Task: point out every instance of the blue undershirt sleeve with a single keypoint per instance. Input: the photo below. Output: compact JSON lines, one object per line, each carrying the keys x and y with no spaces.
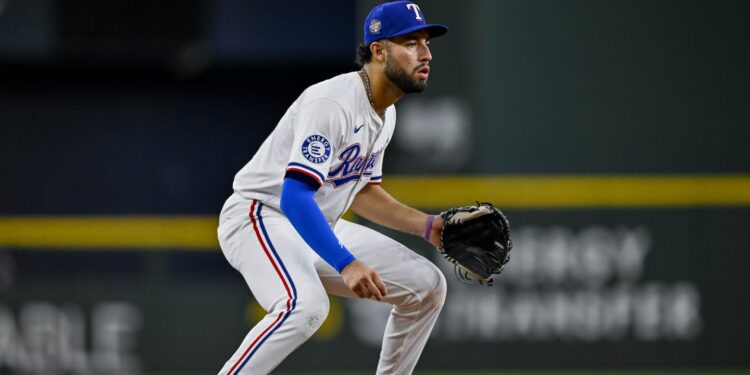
{"x":300,"y":208}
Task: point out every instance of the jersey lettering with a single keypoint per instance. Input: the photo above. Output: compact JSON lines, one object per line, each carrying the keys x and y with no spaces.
{"x":415,"y":8}
{"x":353,"y":165}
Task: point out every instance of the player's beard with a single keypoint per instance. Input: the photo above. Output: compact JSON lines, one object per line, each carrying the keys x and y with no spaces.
{"x":401,"y":79}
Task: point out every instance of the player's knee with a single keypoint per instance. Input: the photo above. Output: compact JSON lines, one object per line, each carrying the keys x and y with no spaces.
{"x":440,"y":290}
{"x":431,"y":287}
{"x":311,"y":311}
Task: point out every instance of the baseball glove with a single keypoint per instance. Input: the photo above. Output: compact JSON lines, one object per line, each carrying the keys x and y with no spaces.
{"x":476,"y":239}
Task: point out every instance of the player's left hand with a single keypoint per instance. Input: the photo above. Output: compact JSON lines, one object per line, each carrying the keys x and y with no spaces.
{"x":476,"y":239}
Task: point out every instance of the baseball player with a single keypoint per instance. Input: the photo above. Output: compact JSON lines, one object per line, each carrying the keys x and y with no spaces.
{"x":282,"y":227}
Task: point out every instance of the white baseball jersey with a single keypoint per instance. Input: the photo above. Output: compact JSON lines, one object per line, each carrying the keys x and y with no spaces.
{"x":332,"y":134}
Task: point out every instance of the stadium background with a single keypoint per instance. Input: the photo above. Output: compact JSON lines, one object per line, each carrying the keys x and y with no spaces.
{"x":614,"y":132}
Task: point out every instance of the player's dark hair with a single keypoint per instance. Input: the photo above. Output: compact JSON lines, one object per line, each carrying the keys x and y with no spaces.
{"x":364,"y":55}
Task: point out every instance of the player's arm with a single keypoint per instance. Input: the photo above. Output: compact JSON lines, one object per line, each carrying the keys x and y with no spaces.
{"x":375,"y":204}
{"x":300,"y":208}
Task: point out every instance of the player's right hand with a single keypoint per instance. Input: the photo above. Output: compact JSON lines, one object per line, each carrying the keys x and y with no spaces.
{"x":363,"y":280}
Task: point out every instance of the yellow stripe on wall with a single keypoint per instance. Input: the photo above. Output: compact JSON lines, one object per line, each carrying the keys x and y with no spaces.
{"x":429,"y":193}
{"x":534,"y":192}
{"x":96,"y":232}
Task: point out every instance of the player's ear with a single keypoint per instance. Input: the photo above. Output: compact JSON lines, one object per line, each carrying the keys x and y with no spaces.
{"x":378,"y":51}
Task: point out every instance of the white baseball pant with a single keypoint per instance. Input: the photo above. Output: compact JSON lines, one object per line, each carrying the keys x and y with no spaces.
{"x":291,"y":282}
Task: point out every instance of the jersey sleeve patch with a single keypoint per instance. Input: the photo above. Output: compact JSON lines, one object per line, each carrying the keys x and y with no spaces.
{"x":316,"y":149}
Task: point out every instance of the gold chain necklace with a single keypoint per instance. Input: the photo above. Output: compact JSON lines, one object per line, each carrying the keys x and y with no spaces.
{"x":366,"y":80}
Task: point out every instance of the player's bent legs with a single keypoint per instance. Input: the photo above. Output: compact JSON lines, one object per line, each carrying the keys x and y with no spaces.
{"x":281,"y":274}
{"x":415,"y":287}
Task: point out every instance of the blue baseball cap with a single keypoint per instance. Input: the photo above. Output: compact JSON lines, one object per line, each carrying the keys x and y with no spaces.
{"x":398,"y":18}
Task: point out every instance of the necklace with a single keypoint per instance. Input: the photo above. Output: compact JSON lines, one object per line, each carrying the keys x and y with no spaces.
{"x":366,"y":80}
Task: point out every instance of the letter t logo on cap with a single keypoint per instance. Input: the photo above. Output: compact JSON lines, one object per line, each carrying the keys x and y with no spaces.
{"x":415,"y":8}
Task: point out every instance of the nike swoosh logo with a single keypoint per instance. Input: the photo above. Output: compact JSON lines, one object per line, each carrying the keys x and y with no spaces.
{"x":357,"y":128}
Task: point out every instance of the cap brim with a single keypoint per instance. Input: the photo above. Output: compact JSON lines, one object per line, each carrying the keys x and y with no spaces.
{"x":434,"y":30}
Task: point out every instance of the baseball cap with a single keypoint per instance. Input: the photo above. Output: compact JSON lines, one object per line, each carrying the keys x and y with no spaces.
{"x":398,"y":18}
